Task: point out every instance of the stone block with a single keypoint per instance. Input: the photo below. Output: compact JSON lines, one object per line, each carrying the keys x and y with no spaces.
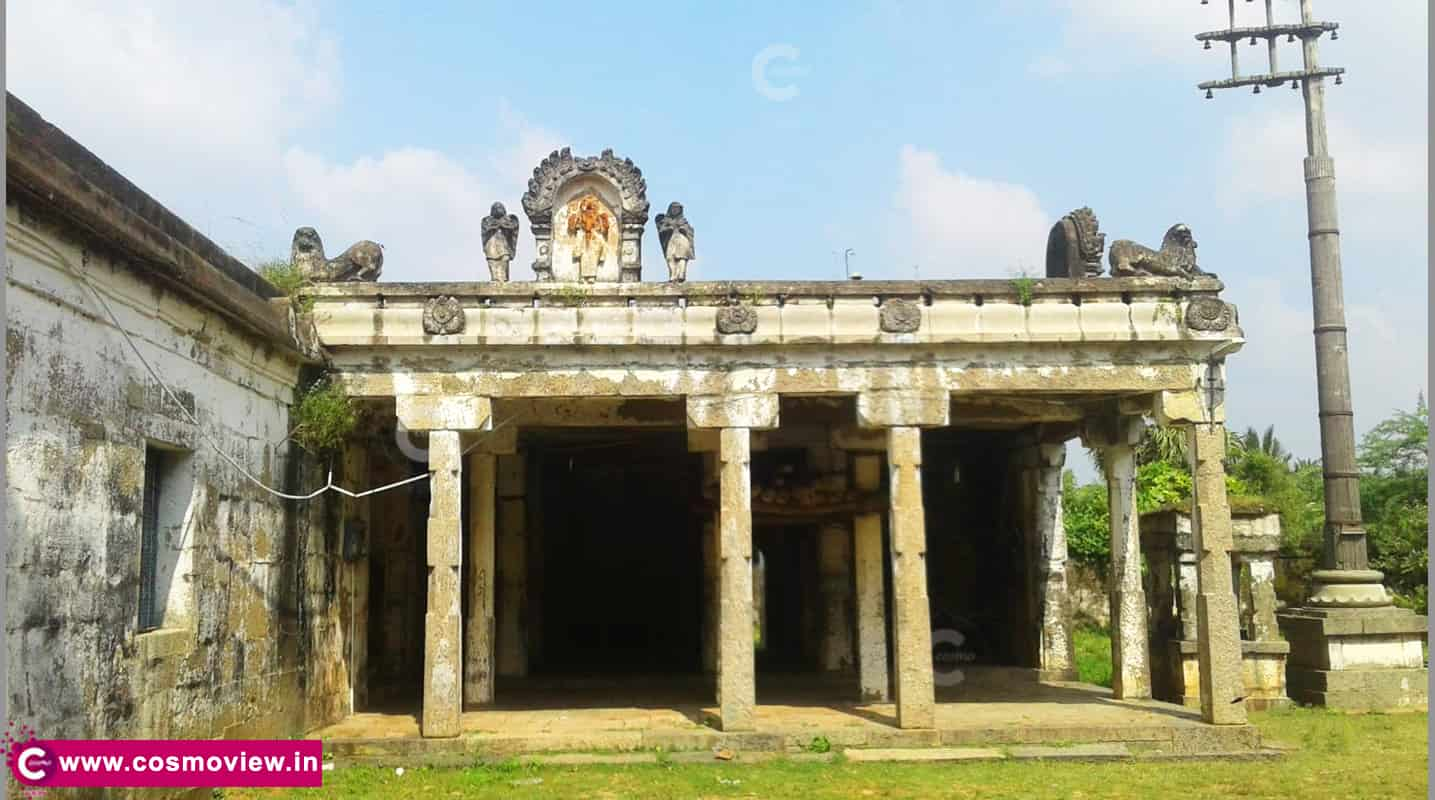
{"x":1003,"y":322}
{"x":896,"y":408}
{"x":1105,"y":321}
{"x":932,"y":754}
{"x":444,"y":535}
{"x":733,"y":411}
{"x":1107,"y":751}
{"x":433,"y":412}
{"x":1052,"y":321}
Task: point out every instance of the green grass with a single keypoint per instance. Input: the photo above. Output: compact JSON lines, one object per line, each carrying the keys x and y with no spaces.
{"x":1093,"y":655}
{"x":1338,"y":756}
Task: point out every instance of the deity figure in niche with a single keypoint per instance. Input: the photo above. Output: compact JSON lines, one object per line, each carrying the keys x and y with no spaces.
{"x":587,"y":216}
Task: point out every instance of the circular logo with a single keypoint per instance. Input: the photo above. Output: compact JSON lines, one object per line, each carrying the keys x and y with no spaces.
{"x":33,"y":764}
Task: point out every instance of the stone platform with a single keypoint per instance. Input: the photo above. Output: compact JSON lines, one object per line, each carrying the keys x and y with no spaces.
{"x":593,"y":718}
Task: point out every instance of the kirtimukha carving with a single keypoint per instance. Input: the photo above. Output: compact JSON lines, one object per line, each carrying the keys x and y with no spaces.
{"x":675,"y":234}
{"x":1176,"y":259}
{"x":500,"y":239}
{"x":1209,"y":314}
{"x":736,"y":319}
{"x":1075,"y":246}
{"x":899,"y":316}
{"x":363,"y":261}
{"x":616,"y":185}
{"x":443,"y":315}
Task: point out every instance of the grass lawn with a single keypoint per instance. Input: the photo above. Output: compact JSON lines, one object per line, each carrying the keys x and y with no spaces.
{"x":1336,"y":756}
{"x":1339,"y":756}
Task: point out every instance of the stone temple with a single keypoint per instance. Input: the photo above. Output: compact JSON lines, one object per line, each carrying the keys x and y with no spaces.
{"x":760,"y":508}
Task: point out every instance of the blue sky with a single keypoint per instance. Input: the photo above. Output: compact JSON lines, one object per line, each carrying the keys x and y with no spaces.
{"x":940,"y":139}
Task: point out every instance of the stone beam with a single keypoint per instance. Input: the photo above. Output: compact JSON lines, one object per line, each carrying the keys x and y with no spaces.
{"x":883,"y":408}
{"x":733,"y":411}
{"x":444,"y":412}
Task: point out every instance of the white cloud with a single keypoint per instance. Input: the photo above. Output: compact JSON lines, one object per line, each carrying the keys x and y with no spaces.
{"x":157,"y":86}
{"x":420,"y":204}
{"x":964,"y":226}
{"x":201,"y":105}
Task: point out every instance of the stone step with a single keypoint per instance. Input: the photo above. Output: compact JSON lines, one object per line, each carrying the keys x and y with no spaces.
{"x":913,"y":754}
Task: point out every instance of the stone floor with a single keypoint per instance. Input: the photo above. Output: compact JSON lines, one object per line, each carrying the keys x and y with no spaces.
{"x":548,"y":717}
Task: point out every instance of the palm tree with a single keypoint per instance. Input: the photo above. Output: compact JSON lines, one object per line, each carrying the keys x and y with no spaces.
{"x":1167,"y":444}
{"x":1267,"y":443}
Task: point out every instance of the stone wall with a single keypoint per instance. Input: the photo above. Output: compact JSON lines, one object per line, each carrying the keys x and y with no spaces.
{"x":252,"y":642}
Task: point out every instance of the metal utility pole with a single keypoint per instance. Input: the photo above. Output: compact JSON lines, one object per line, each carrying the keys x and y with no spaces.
{"x":1345,"y":559}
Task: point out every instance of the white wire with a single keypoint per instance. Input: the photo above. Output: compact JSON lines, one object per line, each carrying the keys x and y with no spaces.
{"x":329,"y":483}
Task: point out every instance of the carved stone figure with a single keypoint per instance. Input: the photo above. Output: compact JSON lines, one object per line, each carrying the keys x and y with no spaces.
{"x":1209,"y":314}
{"x":675,"y":234}
{"x":616,"y":183}
{"x":1075,"y":246}
{"x":443,"y":315}
{"x":736,"y":319}
{"x":899,"y":316}
{"x":589,"y":226}
{"x":363,"y":261}
{"x":500,"y":239}
{"x":1176,"y":258}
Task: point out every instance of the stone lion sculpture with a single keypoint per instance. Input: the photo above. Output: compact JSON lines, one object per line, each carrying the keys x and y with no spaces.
{"x":363,"y":261}
{"x":1176,"y":258}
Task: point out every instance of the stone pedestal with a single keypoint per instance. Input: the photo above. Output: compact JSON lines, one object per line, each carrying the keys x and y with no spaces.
{"x":916,"y":700}
{"x":1356,"y":658}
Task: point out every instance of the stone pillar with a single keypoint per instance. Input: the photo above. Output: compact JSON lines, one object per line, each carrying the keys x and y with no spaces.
{"x":1263,"y":597}
{"x":512,"y":567}
{"x":736,"y":690}
{"x":711,"y":594}
{"x":444,"y":416}
{"x":1186,"y":586}
{"x":1130,"y":657}
{"x":355,"y":548}
{"x":443,"y":645}
{"x":734,"y":416}
{"x":916,"y":701}
{"x":478,"y":665}
{"x":1056,"y":656}
{"x":1218,"y":633}
{"x":834,"y":553}
{"x":871,"y":589}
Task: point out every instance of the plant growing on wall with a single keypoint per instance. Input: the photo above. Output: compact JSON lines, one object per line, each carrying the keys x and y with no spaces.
{"x":324,"y":417}
{"x":287,"y":278}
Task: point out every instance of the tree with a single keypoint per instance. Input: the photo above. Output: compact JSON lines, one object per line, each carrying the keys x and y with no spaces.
{"x":1395,"y":501}
{"x":1267,"y":444}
